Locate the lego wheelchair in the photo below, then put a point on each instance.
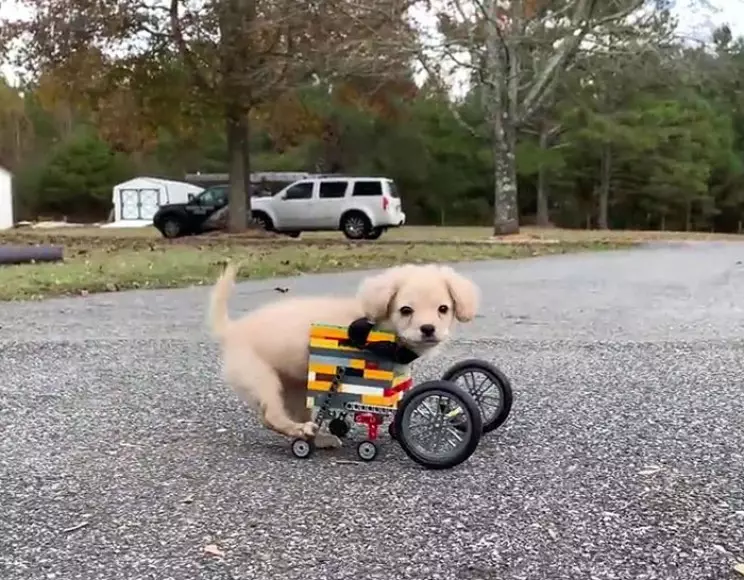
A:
(361, 376)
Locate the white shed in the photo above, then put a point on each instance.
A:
(6, 199)
(137, 200)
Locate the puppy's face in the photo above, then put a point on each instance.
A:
(422, 311)
(419, 303)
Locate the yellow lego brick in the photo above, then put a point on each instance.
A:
(320, 368)
(381, 336)
(379, 401)
(330, 369)
(323, 386)
(324, 343)
(378, 375)
(319, 331)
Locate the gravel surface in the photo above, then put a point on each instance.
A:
(123, 455)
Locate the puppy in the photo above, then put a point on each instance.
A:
(265, 354)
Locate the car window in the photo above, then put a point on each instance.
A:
(393, 188)
(302, 190)
(206, 197)
(367, 188)
(333, 189)
(220, 195)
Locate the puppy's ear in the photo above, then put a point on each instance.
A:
(464, 294)
(377, 292)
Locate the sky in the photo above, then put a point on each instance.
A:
(695, 22)
(692, 20)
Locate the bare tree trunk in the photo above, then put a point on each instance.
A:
(238, 166)
(502, 101)
(543, 214)
(688, 216)
(246, 151)
(235, 19)
(506, 219)
(604, 186)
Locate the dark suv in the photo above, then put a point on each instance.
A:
(200, 214)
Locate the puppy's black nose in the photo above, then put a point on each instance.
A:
(428, 330)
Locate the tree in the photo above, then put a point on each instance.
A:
(517, 50)
(78, 174)
(234, 55)
(15, 127)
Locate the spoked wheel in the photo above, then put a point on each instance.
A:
(489, 387)
(438, 424)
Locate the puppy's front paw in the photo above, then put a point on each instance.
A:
(327, 441)
(306, 430)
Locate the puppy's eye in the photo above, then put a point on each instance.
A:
(443, 309)
(406, 311)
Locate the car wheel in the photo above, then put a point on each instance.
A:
(263, 221)
(374, 234)
(171, 228)
(355, 225)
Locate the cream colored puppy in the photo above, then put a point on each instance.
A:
(265, 353)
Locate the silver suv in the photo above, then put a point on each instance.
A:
(361, 207)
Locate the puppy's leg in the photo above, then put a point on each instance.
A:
(275, 416)
(294, 395)
(255, 380)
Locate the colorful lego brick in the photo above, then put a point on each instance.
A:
(368, 379)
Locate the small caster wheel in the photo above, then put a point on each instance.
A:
(367, 451)
(302, 449)
(339, 428)
(391, 430)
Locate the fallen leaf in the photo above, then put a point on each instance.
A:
(214, 550)
(282, 290)
(739, 568)
(76, 527)
(650, 470)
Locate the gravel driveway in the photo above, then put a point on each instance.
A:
(123, 455)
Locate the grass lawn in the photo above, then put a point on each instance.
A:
(110, 260)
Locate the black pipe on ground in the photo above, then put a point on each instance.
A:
(26, 254)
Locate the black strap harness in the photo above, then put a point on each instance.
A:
(393, 351)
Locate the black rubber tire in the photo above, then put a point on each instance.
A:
(496, 376)
(374, 234)
(465, 400)
(263, 220)
(349, 218)
(371, 451)
(293, 234)
(171, 228)
(302, 448)
(339, 428)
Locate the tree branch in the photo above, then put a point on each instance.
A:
(198, 77)
(452, 106)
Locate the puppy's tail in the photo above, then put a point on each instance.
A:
(219, 317)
